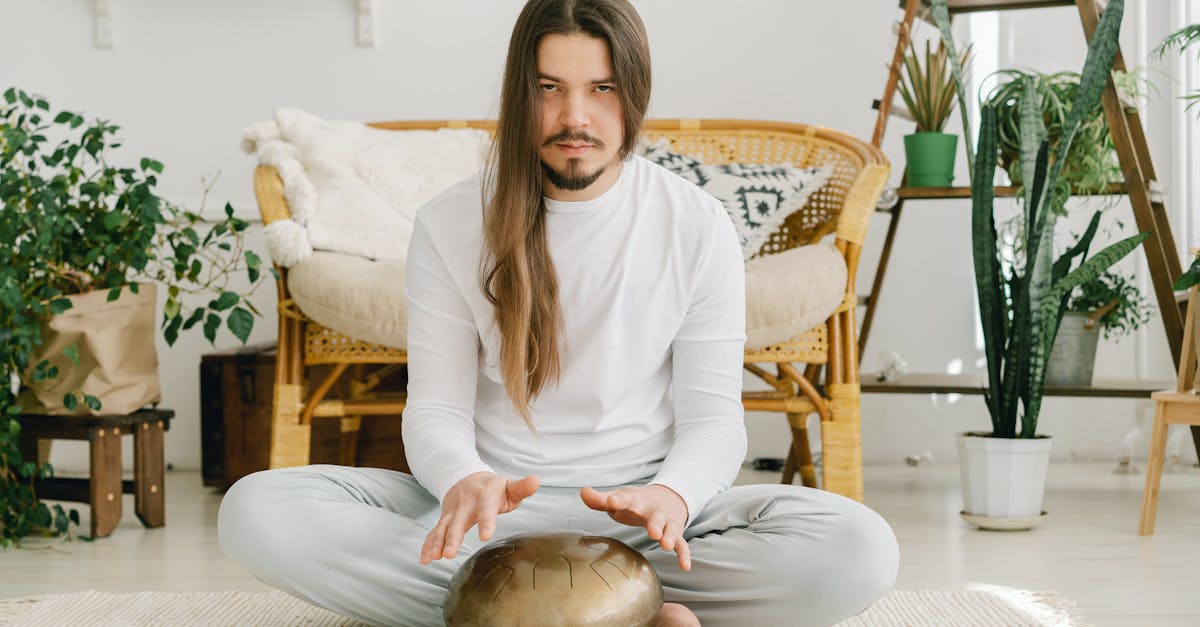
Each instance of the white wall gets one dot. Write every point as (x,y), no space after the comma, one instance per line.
(185,77)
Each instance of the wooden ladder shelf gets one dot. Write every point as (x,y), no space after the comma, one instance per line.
(1130,143)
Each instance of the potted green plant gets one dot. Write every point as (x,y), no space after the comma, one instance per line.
(929,90)
(79,231)
(1110,305)
(1020,309)
(1181,40)
(1091,164)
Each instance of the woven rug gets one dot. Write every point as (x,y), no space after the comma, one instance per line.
(925,608)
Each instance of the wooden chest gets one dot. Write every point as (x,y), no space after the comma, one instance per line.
(236,392)
(236,386)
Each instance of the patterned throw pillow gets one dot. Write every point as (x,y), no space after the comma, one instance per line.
(758,197)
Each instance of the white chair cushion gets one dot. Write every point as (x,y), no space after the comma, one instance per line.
(791,292)
(787,294)
(355,296)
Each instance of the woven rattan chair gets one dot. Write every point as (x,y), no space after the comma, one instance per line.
(842,207)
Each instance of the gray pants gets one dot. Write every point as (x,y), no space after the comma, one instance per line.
(348,539)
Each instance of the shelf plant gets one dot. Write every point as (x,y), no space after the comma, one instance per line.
(1113,302)
(75,223)
(1190,277)
(1110,305)
(929,90)
(1090,165)
(1180,41)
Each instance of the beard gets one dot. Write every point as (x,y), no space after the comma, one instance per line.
(573,179)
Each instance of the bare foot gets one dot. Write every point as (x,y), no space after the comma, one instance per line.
(676,615)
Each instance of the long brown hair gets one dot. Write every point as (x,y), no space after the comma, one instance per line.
(517,271)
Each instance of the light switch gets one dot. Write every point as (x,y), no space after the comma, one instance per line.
(102,26)
(365,24)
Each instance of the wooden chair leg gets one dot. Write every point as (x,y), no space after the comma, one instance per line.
(1154,468)
(149,500)
(801,450)
(841,442)
(290,440)
(350,426)
(105,480)
(789,468)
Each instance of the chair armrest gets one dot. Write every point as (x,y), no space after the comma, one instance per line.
(860,202)
(268,189)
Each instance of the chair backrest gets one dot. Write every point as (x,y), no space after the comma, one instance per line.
(830,208)
(844,204)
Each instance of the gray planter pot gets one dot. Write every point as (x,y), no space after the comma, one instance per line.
(1073,356)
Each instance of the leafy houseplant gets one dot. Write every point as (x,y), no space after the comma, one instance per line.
(1181,40)
(929,91)
(1020,313)
(1190,277)
(1110,305)
(1020,310)
(1090,165)
(1115,305)
(75,224)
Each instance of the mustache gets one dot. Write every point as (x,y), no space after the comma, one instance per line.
(567,135)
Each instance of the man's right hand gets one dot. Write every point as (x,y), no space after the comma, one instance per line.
(475,499)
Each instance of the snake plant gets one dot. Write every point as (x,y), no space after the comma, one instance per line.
(1020,313)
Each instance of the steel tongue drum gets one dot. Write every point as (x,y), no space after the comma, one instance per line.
(555,579)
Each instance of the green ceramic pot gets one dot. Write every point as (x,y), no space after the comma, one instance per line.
(930,158)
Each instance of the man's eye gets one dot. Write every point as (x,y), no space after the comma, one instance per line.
(548,87)
(604,89)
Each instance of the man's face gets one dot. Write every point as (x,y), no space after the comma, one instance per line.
(582,127)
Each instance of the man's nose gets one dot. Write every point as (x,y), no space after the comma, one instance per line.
(575,114)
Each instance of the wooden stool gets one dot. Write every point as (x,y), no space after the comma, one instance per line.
(1180,406)
(103,487)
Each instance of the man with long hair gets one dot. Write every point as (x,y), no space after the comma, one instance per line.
(575,337)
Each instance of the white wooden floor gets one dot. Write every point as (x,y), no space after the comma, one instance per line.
(1087,549)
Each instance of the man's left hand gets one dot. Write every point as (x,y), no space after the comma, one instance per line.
(656,508)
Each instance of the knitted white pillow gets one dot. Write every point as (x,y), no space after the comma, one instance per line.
(355,189)
(758,198)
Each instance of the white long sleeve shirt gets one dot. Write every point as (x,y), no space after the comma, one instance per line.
(651,285)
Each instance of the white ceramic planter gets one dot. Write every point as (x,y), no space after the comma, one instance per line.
(1003,478)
